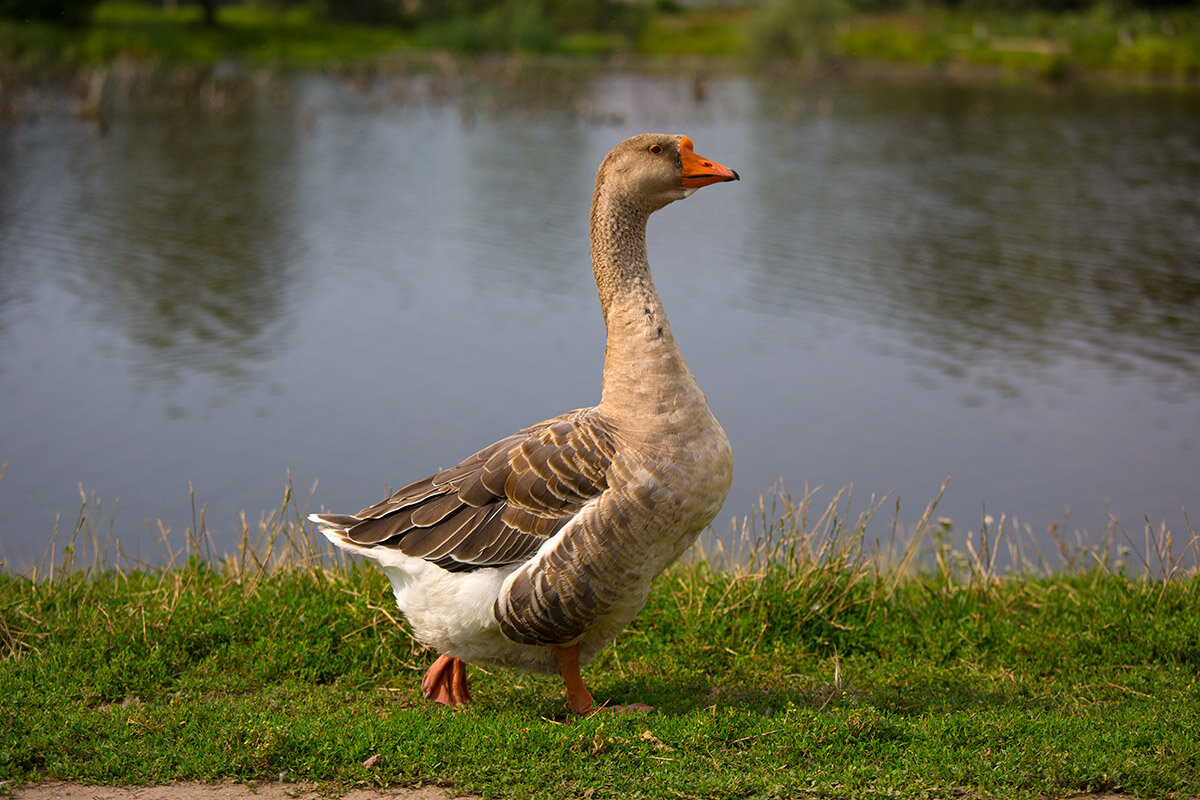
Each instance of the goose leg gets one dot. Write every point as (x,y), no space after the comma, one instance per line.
(446,682)
(578,696)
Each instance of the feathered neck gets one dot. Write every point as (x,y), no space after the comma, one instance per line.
(643,367)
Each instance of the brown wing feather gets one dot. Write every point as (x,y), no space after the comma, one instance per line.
(404,497)
(436,509)
(380,530)
(497,506)
(443,539)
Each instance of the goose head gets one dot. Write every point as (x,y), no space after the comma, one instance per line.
(654,169)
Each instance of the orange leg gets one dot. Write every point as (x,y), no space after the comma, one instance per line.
(578,696)
(446,682)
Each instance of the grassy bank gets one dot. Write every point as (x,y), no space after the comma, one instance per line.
(1099,42)
(812,662)
(151,33)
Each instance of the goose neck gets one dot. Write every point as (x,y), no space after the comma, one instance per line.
(644,371)
(620,262)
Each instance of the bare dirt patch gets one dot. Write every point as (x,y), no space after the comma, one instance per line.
(272,791)
(223,791)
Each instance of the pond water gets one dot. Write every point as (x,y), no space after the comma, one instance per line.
(360,281)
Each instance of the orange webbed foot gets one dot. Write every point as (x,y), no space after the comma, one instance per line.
(446,682)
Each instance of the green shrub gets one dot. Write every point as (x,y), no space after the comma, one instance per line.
(471,26)
(797,28)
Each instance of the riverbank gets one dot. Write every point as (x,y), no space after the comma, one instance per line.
(809,662)
(1100,44)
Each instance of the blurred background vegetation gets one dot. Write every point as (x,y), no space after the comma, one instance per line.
(1050,38)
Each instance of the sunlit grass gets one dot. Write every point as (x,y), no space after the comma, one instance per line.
(807,654)
(716,31)
(1039,43)
(251,33)
(1103,40)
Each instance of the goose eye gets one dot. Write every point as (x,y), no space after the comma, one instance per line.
(656,149)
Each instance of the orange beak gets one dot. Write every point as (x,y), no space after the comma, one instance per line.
(699,171)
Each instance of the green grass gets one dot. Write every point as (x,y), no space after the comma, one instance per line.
(1038,43)
(1102,41)
(137,32)
(810,661)
(700,32)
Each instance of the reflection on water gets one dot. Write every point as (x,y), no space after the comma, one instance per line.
(997,232)
(190,238)
(363,280)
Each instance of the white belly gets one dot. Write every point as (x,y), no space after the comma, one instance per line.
(451,612)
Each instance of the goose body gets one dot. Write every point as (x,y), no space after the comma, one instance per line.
(536,551)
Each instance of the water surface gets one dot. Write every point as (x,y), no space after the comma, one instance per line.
(360,283)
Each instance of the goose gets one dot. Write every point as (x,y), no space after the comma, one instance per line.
(535,552)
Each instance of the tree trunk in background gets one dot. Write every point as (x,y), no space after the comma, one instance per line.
(210,12)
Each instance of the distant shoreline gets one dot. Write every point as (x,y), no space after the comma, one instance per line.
(1135,49)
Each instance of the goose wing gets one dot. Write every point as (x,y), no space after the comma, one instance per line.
(499,505)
